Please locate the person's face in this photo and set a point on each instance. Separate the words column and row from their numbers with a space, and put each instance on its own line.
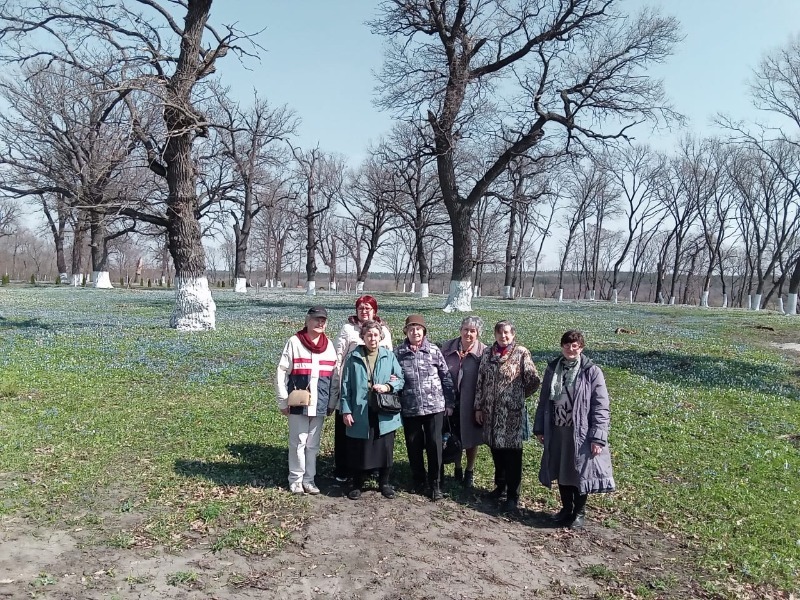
column 468, row 336
column 572, row 350
column 371, row 338
column 415, row 333
column 365, row 312
column 316, row 324
column 504, row 337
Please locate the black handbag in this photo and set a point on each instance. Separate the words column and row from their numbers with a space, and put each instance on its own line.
column 387, row 402
column 451, row 443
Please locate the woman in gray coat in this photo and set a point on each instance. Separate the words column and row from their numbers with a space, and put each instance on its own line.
column 572, row 422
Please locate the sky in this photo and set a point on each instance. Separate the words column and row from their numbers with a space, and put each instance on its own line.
column 320, row 60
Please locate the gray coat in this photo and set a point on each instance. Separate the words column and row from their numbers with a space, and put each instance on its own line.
column 591, row 416
column 471, row 433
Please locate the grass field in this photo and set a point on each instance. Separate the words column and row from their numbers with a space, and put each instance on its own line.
column 104, row 409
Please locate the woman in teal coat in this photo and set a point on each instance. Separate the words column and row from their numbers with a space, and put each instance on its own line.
column 368, row 369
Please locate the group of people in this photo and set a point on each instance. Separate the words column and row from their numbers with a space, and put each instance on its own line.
column 478, row 391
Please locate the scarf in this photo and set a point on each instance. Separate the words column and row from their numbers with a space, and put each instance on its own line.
column 565, row 373
column 499, row 354
column 305, row 339
column 353, row 320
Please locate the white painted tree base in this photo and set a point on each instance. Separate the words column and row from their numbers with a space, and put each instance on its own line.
column 102, row 280
column 506, row 292
column 76, row 279
column 791, row 304
column 756, row 302
column 615, row 296
column 195, row 309
column 64, row 277
column 332, row 286
column 704, row 299
column 672, row 300
column 560, row 294
column 724, row 300
column 424, row 290
column 240, row 285
column 359, row 287
column 311, row 288
column 460, row 297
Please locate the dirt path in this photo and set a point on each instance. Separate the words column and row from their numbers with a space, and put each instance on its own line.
column 407, row 548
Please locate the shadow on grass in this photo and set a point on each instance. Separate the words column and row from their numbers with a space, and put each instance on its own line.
column 254, row 465
column 692, row 370
column 23, row 324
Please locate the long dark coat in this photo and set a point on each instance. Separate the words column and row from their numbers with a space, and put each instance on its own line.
column 471, row 434
column 503, row 384
column 591, row 416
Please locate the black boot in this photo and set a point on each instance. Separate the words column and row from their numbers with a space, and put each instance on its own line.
column 579, row 512
column 564, row 517
column 469, row 479
column 458, row 474
column 386, row 489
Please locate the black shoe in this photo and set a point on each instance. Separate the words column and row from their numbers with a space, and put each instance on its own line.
column 578, row 521
column 563, row 517
column 497, row 493
column 354, row 494
column 436, row 492
column 469, row 480
column 511, row 505
column 387, row 491
column 420, row 487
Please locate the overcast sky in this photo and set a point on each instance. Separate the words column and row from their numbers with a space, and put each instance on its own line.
column 321, row 57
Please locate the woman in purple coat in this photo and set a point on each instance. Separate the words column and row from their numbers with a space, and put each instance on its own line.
column 572, row 422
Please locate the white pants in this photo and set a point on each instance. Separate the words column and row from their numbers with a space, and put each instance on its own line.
column 304, row 435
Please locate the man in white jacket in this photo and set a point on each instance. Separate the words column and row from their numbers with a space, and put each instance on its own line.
column 307, row 367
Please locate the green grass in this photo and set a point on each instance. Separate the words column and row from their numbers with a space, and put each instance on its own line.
column 105, row 411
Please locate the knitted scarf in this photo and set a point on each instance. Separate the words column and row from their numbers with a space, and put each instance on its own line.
column 565, row 373
column 305, row 339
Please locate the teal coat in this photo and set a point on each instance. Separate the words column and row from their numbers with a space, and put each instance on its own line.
column 355, row 389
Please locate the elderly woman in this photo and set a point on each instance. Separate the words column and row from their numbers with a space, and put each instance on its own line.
column 506, row 376
column 463, row 357
column 348, row 339
column 572, row 422
column 427, row 395
column 307, row 388
column 370, row 369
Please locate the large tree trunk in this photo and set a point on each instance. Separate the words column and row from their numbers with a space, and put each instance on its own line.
column 99, row 251
column 460, row 295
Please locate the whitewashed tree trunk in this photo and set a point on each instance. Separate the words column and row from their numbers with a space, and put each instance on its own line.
column 507, row 292
column 672, row 300
column 404, row 288
column 591, row 295
column 749, row 302
column 780, row 306
column 311, row 288
column 102, row 280
column 615, row 296
column 279, row 284
column 460, row 297
column 724, row 300
column 791, row 304
column 195, row 309
column 76, row 279
column 240, row 285
column 757, row 302
column 359, row 287
column 660, row 298
column 424, row 290
column 513, row 291
column 561, row 294
column 413, row 286
column 332, row 285
column 630, row 297
column 64, row 277
column 477, row 292
column 704, row 299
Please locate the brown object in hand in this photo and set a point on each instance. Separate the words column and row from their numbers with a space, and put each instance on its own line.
column 299, row 398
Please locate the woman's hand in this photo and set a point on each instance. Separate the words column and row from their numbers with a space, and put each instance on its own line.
column 479, row 417
column 597, row 449
column 382, row 388
column 285, row 411
column 347, row 419
column 448, row 412
column 540, row 437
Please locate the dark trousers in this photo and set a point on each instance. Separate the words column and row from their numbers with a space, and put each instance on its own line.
column 508, row 470
column 341, row 468
column 424, row 434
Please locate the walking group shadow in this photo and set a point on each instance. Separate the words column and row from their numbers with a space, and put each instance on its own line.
column 260, row 465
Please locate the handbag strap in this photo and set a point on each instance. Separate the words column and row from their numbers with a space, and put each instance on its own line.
column 370, row 369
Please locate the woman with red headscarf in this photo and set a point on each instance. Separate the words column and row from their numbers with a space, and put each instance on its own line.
column 349, row 339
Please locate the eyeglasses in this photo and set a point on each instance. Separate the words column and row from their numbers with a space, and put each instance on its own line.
column 573, row 345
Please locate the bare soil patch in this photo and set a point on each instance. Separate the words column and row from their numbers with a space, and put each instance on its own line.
column 406, row 548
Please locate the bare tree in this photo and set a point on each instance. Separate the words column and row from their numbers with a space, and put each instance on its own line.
column 318, row 183
column 149, row 50
column 565, row 66
column 9, row 213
